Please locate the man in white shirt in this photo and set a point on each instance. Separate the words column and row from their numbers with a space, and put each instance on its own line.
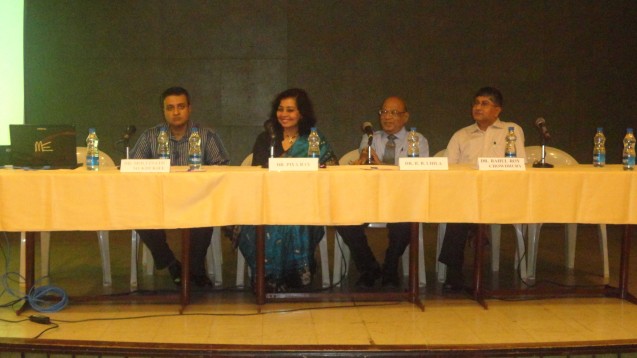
column 484, row 138
column 388, row 145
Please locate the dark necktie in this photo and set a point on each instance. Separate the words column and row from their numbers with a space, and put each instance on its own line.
column 390, row 150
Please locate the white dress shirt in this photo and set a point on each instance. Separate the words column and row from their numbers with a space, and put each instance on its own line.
column 380, row 140
column 470, row 143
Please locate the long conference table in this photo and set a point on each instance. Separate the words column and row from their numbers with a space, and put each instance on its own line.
column 81, row 200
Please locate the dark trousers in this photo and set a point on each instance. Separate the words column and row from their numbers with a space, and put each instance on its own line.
column 355, row 238
column 163, row 255
column 452, row 250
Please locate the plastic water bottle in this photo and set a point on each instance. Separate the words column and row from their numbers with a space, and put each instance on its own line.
column 413, row 143
column 92, row 150
column 163, row 144
column 599, row 149
column 194, row 150
column 314, row 144
column 628, row 158
column 510, row 150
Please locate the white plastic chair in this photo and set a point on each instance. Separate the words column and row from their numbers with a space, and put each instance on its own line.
column 214, row 258
column 325, row 266
column 558, row 157
column 495, row 230
column 341, row 251
column 45, row 236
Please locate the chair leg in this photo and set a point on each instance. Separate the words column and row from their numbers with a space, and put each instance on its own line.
column 102, row 237
column 341, row 260
column 45, row 252
column 214, row 258
column 496, row 231
column 241, row 265
column 521, row 250
column 325, row 265
column 23, row 256
column 441, row 268
column 133, row 259
column 569, row 248
column 603, row 247
column 148, row 263
column 532, row 249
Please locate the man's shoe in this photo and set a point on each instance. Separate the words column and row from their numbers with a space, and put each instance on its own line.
column 201, row 280
column 175, row 272
column 391, row 280
column 368, row 279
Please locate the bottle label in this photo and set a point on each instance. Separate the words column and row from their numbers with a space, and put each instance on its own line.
column 92, row 161
column 629, row 161
column 510, row 155
column 194, row 159
column 164, row 156
column 599, row 159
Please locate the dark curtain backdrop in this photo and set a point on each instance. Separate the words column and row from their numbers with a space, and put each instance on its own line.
column 103, row 64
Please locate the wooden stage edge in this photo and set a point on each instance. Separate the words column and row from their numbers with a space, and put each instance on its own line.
column 21, row 345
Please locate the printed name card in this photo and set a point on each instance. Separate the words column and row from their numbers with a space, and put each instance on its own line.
column 145, row 166
column 293, row 164
column 501, row 164
column 426, row 163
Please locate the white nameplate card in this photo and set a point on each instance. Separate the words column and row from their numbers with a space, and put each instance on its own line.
column 425, row 163
column 501, row 164
column 145, row 166
column 293, row 164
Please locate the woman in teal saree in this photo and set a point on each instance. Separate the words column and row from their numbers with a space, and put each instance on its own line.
column 289, row 249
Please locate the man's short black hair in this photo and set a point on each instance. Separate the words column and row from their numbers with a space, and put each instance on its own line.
column 174, row 91
column 491, row 92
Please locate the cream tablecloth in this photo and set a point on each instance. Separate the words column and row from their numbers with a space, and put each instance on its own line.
column 109, row 200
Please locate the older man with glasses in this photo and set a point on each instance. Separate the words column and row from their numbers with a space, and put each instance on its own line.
column 387, row 146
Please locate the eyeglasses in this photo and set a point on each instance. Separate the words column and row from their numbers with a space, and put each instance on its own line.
column 392, row 113
column 170, row 107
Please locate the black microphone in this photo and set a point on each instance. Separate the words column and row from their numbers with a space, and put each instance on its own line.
column 269, row 128
column 130, row 130
column 368, row 129
column 540, row 123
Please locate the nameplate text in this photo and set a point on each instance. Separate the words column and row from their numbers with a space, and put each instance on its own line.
column 426, row 163
column 293, row 164
column 145, row 166
column 501, row 164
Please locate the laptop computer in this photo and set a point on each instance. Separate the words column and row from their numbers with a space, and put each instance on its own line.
column 40, row 146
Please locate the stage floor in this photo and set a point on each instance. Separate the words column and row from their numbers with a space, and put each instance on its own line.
column 228, row 320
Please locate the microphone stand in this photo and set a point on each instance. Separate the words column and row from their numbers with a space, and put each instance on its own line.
column 369, row 149
column 272, row 139
column 542, row 162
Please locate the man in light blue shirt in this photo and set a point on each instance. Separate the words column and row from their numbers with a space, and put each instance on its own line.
column 387, row 146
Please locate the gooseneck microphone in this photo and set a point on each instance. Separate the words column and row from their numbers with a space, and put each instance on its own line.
column 368, row 129
column 269, row 128
column 540, row 123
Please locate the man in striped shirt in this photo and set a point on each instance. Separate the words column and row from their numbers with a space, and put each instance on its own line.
column 175, row 103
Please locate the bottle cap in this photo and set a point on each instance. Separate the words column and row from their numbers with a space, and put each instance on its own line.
column 413, row 129
column 313, row 128
column 600, row 129
column 195, row 129
column 629, row 130
column 510, row 128
column 91, row 130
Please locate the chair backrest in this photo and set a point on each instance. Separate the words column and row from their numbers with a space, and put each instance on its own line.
column 247, row 161
column 553, row 155
column 349, row 157
column 442, row 153
column 105, row 159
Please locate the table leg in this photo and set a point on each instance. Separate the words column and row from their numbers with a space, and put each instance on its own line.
column 29, row 267
column 260, row 266
column 185, row 269
column 624, row 267
column 413, row 266
column 478, row 293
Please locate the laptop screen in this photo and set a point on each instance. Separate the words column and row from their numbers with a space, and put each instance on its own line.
column 43, row 146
